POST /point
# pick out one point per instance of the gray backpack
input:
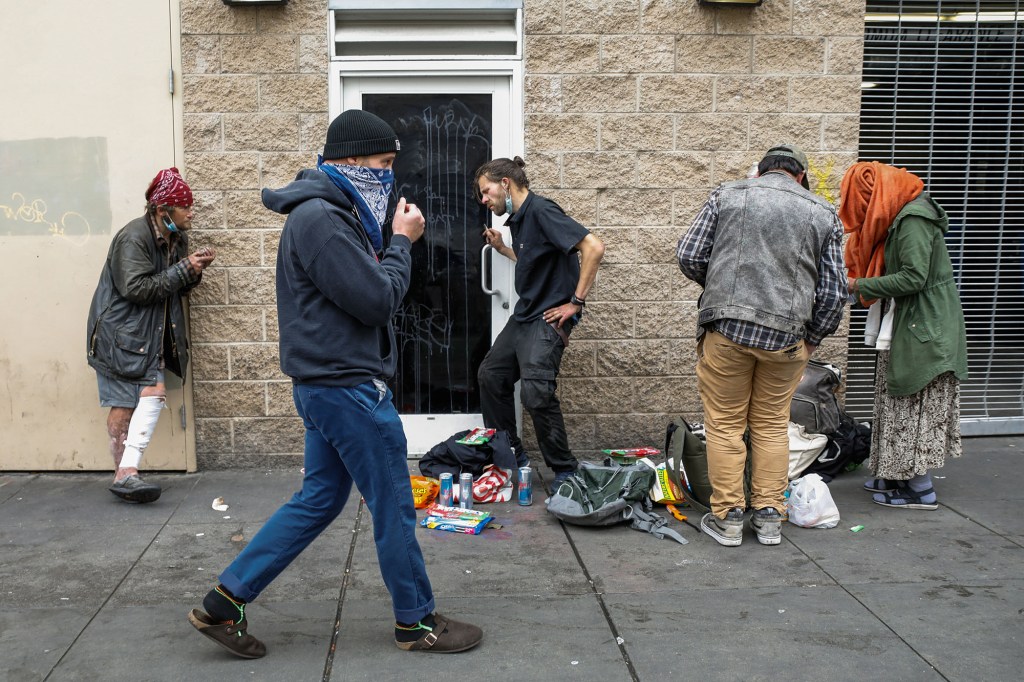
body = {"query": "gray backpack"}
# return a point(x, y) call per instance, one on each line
point(815, 406)
point(597, 495)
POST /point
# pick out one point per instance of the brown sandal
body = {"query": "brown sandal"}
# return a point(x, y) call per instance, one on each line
point(446, 637)
point(231, 636)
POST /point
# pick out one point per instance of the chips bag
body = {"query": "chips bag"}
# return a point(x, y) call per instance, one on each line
point(424, 490)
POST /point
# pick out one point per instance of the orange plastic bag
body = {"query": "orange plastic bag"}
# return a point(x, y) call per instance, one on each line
point(424, 490)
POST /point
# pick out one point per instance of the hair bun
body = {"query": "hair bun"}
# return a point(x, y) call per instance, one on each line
point(519, 162)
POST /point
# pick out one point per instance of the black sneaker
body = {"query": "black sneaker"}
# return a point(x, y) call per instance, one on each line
point(767, 524)
point(134, 489)
point(560, 477)
point(727, 531)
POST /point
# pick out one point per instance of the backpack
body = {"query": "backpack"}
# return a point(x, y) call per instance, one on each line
point(814, 405)
point(686, 456)
point(605, 495)
point(847, 447)
point(453, 458)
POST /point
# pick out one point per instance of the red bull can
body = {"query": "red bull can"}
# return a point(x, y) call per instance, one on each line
point(525, 486)
point(466, 491)
point(445, 497)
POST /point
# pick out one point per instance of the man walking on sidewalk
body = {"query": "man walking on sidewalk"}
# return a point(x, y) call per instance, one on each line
point(136, 326)
point(767, 252)
point(338, 289)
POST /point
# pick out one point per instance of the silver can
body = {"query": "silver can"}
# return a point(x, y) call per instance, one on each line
point(466, 491)
point(525, 486)
point(445, 497)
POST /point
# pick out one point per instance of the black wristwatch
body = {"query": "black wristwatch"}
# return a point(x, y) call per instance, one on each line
point(577, 301)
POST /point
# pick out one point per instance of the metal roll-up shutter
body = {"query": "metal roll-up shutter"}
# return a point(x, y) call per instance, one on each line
point(943, 96)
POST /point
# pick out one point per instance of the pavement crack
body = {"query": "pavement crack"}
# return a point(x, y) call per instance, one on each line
point(604, 607)
point(124, 577)
point(869, 610)
point(335, 633)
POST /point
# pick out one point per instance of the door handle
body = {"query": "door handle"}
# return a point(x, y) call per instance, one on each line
point(485, 271)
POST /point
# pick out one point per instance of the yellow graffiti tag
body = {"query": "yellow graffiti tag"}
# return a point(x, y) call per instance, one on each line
point(35, 212)
point(818, 179)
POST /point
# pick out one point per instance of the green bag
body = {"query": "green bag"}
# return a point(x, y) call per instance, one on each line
point(596, 495)
point(686, 459)
point(687, 462)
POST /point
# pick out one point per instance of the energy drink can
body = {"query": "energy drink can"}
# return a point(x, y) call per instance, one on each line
point(445, 497)
point(466, 491)
point(525, 486)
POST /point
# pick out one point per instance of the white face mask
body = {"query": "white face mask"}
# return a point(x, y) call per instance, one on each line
point(508, 202)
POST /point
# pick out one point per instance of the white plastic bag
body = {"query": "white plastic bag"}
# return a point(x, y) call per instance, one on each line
point(810, 503)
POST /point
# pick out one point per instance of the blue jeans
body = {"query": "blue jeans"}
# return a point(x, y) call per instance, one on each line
point(353, 435)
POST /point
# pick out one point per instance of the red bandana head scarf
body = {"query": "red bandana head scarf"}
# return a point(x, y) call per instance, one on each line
point(169, 189)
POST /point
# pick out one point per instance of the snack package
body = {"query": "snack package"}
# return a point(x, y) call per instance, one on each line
point(456, 519)
point(630, 455)
point(477, 436)
point(424, 490)
point(633, 452)
point(664, 490)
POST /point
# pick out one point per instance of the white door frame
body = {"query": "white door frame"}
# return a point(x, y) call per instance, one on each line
point(349, 81)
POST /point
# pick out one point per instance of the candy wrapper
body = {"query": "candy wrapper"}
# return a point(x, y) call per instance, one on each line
point(477, 436)
point(456, 519)
point(630, 455)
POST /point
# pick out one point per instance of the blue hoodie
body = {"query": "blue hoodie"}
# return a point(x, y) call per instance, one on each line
point(335, 301)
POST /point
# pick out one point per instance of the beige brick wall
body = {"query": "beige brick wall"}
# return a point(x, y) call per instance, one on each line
point(634, 110)
point(255, 112)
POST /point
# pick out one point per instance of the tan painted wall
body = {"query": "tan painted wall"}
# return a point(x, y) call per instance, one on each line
point(255, 112)
point(86, 121)
point(635, 109)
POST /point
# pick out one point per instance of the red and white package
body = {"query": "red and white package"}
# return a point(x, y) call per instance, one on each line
point(493, 485)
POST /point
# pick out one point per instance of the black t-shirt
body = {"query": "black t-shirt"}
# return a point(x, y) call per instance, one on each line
point(544, 239)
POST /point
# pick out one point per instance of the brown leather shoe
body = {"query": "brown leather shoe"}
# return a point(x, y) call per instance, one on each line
point(448, 637)
point(231, 636)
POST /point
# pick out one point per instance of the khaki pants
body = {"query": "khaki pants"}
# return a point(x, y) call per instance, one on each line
point(740, 387)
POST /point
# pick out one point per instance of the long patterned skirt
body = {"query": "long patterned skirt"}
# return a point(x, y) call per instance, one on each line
point(912, 434)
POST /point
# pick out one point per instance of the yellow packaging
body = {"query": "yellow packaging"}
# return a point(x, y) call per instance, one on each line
point(664, 490)
point(424, 490)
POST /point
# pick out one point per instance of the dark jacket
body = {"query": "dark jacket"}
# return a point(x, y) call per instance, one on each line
point(928, 334)
point(141, 285)
point(335, 301)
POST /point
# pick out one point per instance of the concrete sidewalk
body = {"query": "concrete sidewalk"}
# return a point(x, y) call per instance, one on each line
point(95, 589)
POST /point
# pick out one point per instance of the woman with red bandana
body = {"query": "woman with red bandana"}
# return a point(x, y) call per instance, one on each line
point(136, 326)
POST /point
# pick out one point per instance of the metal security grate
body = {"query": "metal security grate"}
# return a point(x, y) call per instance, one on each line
point(943, 96)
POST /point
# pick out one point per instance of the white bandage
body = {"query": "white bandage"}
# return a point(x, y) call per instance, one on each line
point(140, 430)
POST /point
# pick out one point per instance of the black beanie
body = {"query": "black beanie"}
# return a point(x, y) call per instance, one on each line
point(359, 133)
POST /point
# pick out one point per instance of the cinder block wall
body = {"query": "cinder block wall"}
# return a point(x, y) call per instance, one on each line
point(635, 110)
point(255, 112)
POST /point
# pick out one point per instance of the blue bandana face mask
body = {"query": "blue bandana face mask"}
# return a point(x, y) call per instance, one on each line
point(368, 189)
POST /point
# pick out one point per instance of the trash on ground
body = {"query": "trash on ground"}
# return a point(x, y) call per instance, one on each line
point(477, 436)
point(456, 520)
point(199, 535)
point(219, 504)
point(858, 528)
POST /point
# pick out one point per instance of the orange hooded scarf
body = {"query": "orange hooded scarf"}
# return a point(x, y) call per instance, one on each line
point(872, 194)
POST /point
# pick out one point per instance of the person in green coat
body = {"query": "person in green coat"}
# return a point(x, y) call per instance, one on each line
point(897, 255)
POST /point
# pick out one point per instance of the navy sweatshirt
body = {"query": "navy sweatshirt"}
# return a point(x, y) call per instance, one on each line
point(335, 302)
